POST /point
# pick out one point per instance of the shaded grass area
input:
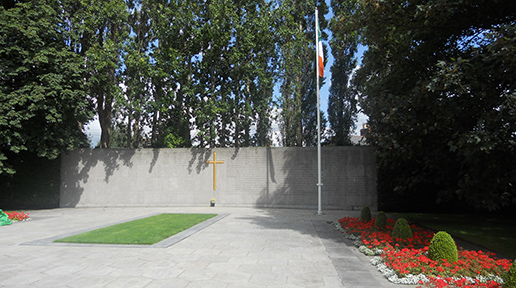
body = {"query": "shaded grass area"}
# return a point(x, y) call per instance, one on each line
point(496, 233)
point(146, 231)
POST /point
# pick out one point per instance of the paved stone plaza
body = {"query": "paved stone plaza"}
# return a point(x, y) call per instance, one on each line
point(246, 248)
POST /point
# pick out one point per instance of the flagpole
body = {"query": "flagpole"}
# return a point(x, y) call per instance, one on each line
point(319, 184)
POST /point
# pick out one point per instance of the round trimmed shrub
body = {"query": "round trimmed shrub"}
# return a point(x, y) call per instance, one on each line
point(509, 278)
point(401, 230)
point(365, 214)
point(443, 246)
point(381, 220)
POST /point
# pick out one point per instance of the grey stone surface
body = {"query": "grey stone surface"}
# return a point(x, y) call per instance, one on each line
point(249, 177)
point(248, 248)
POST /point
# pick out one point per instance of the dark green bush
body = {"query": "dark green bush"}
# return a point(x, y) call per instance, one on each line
point(401, 230)
point(381, 220)
point(365, 214)
point(509, 279)
point(443, 246)
point(35, 184)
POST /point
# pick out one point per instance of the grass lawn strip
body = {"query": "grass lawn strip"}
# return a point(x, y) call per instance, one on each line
point(146, 231)
point(495, 233)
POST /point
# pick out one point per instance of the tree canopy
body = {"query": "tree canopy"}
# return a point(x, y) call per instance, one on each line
point(156, 73)
point(43, 103)
point(438, 84)
point(343, 98)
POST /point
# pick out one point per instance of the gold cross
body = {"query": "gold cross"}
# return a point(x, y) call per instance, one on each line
point(215, 162)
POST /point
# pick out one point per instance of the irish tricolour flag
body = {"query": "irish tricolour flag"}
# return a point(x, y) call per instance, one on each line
point(320, 52)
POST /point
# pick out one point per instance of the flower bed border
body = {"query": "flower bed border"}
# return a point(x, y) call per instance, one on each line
point(491, 281)
point(15, 216)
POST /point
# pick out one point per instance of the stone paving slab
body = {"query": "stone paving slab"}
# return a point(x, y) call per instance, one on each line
point(246, 248)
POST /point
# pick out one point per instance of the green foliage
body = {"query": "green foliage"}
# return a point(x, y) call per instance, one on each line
point(365, 214)
point(104, 37)
point(509, 279)
point(153, 69)
point(401, 230)
point(296, 36)
point(224, 94)
point(173, 141)
point(43, 103)
point(440, 94)
point(381, 220)
point(132, 109)
point(35, 185)
point(442, 246)
point(343, 100)
point(478, 229)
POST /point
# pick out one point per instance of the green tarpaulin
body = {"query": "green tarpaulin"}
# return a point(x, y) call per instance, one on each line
point(4, 219)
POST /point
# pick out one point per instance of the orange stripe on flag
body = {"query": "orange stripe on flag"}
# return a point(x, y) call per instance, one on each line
point(321, 60)
point(320, 53)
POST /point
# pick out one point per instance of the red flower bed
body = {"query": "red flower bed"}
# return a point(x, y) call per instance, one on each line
point(17, 216)
point(409, 256)
point(373, 237)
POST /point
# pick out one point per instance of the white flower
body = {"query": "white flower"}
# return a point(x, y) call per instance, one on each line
point(376, 260)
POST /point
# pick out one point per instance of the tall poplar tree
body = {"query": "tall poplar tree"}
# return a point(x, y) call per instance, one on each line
point(213, 119)
point(132, 105)
point(106, 26)
point(252, 72)
point(296, 27)
point(343, 99)
point(98, 31)
point(217, 61)
point(176, 51)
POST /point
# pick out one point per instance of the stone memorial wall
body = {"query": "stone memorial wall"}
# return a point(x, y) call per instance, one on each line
point(246, 177)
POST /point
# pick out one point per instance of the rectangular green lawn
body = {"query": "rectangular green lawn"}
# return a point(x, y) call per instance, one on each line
point(146, 231)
